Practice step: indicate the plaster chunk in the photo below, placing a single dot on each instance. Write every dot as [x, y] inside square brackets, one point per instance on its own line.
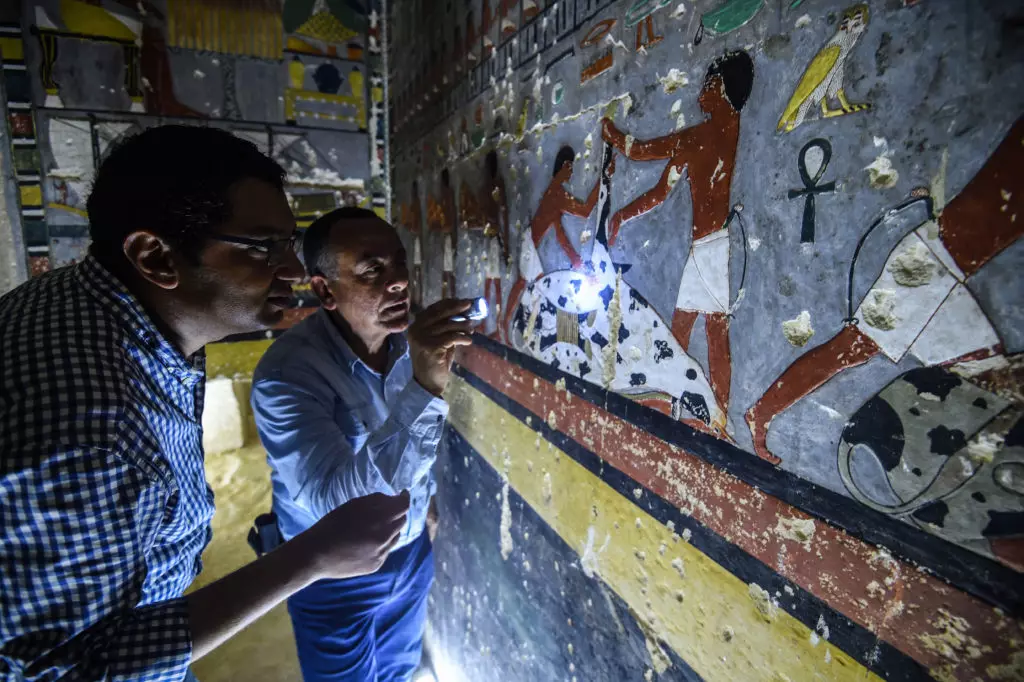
[762, 601]
[797, 530]
[674, 175]
[913, 267]
[798, 331]
[674, 80]
[879, 309]
[505, 529]
[983, 448]
[881, 174]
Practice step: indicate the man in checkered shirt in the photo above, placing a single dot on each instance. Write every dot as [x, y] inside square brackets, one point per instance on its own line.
[104, 506]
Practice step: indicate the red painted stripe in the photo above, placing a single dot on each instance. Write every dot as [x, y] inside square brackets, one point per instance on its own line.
[893, 599]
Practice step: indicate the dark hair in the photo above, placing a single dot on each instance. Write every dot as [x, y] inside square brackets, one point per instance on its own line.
[565, 155]
[445, 178]
[491, 163]
[736, 69]
[317, 237]
[174, 181]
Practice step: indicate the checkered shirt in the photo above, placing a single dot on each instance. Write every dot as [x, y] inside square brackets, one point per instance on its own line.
[104, 505]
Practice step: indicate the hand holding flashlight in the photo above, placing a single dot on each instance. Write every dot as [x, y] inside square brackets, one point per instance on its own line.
[433, 338]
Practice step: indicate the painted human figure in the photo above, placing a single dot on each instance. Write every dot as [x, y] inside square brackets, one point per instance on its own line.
[412, 220]
[706, 152]
[495, 208]
[556, 202]
[919, 304]
[441, 217]
[595, 326]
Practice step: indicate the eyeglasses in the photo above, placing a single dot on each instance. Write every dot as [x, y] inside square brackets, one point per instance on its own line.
[275, 250]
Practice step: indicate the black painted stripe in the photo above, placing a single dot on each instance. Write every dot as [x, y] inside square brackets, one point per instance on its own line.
[973, 573]
[456, 443]
[861, 644]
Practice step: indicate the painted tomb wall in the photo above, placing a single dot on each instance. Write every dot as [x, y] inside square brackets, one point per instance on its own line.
[749, 405]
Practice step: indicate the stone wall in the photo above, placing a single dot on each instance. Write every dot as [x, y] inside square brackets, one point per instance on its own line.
[749, 406]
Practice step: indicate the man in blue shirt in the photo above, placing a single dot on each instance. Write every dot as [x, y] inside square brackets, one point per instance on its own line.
[348, 405]
[104, 506]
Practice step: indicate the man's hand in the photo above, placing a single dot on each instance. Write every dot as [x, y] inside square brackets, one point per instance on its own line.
[355, 538]
[433, 338]
[352, 540]
[433, 518]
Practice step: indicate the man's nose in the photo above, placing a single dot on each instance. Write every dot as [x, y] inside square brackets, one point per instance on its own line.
[290, 269]
[400, 280]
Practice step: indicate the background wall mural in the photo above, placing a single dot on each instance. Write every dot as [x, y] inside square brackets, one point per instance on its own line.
[769, 243]
[301, 79]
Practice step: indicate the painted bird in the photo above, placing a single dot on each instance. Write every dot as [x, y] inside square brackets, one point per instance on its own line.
[823, 78]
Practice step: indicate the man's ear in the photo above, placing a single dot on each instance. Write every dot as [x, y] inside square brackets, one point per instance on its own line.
[318, 283]
[152, 258]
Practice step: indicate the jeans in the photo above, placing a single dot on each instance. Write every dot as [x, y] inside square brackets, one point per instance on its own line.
[366, 629]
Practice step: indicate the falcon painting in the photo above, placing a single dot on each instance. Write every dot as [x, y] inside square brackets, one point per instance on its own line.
[823, 79]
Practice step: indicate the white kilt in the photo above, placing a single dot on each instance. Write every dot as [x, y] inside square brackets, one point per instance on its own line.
[530, 267]
[704, 286]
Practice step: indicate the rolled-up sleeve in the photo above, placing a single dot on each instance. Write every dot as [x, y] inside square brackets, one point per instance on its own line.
[312, 456]
[76, 529]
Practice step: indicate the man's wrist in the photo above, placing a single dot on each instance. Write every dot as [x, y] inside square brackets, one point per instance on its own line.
[300, 562]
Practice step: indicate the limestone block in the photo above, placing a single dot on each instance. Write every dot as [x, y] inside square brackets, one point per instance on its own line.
[222, 417]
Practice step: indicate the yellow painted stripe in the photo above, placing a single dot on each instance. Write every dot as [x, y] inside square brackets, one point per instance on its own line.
[31, 195]
[677, 593]
[70, 209]
[12, 49]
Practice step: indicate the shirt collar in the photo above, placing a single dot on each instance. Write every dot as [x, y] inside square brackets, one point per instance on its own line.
[108, 290]
[398, 346]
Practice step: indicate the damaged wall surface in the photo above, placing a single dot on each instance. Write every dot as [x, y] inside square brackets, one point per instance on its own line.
[301, 79]
[750, 404]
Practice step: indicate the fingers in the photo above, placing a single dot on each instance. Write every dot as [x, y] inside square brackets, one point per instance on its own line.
[443, 309]
[451, 340]
[393, 540]
[446, 326]
[397, 505]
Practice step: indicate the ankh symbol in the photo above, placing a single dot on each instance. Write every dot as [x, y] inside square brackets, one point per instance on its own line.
[811, 186]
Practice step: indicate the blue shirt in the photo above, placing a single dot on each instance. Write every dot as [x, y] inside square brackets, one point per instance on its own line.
[104, 505]
[335, 430]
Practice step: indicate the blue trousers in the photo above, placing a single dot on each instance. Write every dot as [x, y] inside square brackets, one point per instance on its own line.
[366, 629]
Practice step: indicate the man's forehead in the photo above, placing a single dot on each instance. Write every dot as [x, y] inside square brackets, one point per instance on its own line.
[258, 208]
[362, 237]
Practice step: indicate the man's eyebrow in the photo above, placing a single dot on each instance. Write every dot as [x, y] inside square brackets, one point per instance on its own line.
[261, 230]
[368, 256]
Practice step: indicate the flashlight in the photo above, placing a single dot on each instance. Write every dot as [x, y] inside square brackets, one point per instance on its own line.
[477, 312]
